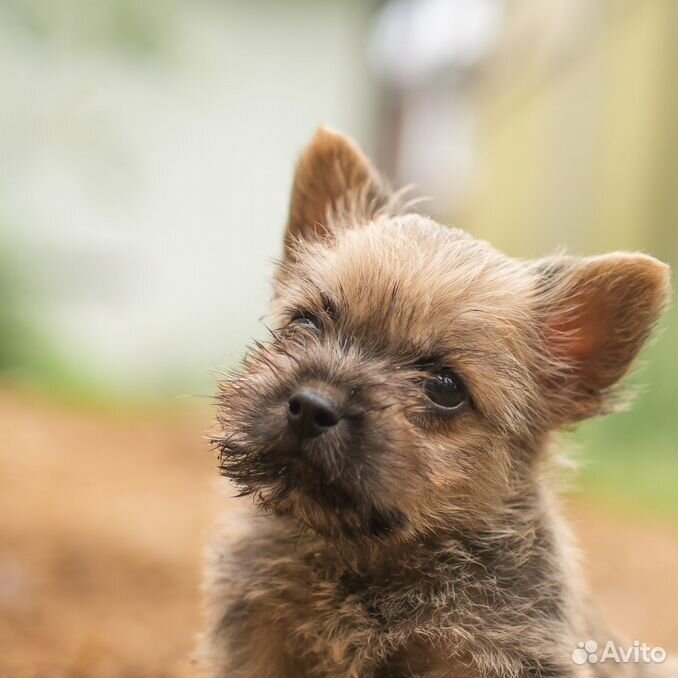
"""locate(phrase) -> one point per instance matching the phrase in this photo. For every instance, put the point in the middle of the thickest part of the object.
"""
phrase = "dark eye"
(305, 319)
(446, 390)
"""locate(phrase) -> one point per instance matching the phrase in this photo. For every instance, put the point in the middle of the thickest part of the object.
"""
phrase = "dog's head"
(412, 370)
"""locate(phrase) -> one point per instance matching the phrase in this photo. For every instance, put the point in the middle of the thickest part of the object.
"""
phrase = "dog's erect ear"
(595, 315)
(333, 182)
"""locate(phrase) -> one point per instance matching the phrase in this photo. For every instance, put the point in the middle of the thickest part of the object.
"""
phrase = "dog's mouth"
(307, 467)
(316, 482)
(332, 507)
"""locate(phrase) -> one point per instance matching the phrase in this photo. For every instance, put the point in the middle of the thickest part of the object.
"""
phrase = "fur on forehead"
(407, 289)
(546, 341)
(427, 272)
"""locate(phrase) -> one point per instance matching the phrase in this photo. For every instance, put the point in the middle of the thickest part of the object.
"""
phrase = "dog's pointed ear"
(595, 315)
(333, 181)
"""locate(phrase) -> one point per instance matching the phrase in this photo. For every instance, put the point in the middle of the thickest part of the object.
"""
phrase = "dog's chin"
(312, 483)
(329, 506)
(349, 525)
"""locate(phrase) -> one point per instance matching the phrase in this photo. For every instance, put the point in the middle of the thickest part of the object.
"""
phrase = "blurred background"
(146, 155)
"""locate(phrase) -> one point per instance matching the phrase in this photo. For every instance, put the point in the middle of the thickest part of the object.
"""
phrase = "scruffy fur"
(406, 541)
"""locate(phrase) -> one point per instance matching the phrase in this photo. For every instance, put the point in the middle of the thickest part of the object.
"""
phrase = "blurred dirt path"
(103, 519)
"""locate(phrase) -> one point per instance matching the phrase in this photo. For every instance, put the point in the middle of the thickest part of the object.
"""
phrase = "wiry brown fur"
(406, 542)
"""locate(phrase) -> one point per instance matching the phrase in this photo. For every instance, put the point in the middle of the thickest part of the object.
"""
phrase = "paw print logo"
(585, 652)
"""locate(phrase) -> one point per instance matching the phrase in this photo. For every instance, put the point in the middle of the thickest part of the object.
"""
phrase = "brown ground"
(102, 523)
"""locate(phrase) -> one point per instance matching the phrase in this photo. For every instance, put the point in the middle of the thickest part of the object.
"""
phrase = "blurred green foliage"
(632, 456)
(26, 355)
(141, 27)
(13, 334)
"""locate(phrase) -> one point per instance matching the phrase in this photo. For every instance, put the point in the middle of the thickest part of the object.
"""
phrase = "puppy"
(394, 435)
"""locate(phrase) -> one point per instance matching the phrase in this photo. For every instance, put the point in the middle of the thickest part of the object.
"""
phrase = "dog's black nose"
(310, 412)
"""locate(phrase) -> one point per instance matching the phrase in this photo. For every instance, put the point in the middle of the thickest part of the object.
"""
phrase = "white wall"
(146, 196)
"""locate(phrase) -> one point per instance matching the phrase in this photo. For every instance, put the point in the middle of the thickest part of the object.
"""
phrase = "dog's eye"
(446, 390)
(305, 319)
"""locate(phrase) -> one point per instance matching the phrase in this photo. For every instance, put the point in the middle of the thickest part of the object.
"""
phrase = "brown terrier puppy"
(394, 433)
